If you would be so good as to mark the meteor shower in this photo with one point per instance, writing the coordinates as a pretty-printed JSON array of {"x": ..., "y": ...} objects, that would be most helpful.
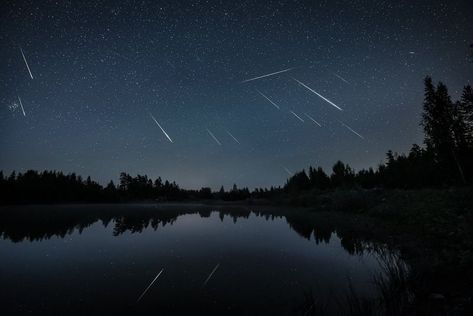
[{"x": 236, "y": 157}]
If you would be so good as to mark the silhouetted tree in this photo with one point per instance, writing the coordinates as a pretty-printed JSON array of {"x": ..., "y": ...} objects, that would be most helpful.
[
  {"x": 318, "y": 178},
  {"x": 465, "y": 109},
  {"x": 438, "y": 122},
  {"x": 342, "y": 175},
  {"x": 298, "y": 182},
  {"x": 367, "y": 179},
  {"x": 205, "y": 193}
]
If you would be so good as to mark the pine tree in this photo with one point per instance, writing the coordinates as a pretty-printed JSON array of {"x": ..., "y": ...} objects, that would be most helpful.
[
  {"x": 342, "y": 175},
  {"x": 428, "y": 119},
  {"x": 438, "y": 120},
  {"x": 466, "y": 110}
]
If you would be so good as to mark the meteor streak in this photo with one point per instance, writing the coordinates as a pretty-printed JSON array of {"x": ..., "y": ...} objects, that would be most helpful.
[
  {"x": 297, "y": 116},
  {"x": 162, "y": 129},
  {"x": 24, "y": 58},
  {"x": 146, "y": 290},
  {"x": 267, "y": 75},
  {"x": 312, "y": 119},
  {"x": 319, "y": 95},
  {"x": 213, "y": 136},
  {"x": 21, "y": 104},
  {"x": 277, "y": 106},
  {"x": 234, "y": 138},
  {"x": 351, "y": 130},
  {"x": 341, "y": 78},
  {"x": 288, "y": 171},
  {"x": 211, "y": 273}
]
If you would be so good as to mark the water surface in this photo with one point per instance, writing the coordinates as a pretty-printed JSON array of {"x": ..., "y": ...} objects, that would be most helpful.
[{"x": 78, "y": 260}]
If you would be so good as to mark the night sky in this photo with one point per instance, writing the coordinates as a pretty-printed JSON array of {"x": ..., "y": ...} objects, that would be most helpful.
[{"x": 104, "y": 74}]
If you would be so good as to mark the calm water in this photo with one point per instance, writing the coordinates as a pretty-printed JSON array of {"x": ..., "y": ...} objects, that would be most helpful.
[{"x": 66, "y": 260}]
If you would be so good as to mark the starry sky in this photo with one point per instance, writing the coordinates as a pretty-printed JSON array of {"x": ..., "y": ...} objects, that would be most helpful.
[{"x": 104, "y": 74}]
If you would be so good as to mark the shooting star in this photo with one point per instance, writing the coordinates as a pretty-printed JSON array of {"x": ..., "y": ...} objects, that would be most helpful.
[
  {"x": 319, "y": 95},
  {"x": 24, "y": 58},
  {"x": 341, "y": 78},
  {"x": 22, "y": 108},
  {"x": 351, "y": 130},
  {"x": 312, "y": 119},
  {"x": 277, "y": 106},
  {"x": 288, "y": 171},
  {"x": 234, "y": 138},
  {"x": 162, "y": 129},
  {"x": 297, "y": 116},
  {"x": 210, "y": 275},
  {"x": 213, "y": 136},
  {"x": 146, "y": 290},
  {"x": 267, "y": 75}
]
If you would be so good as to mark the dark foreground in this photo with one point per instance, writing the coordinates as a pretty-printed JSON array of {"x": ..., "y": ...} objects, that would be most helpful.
[{"x": 241, "y": 260}]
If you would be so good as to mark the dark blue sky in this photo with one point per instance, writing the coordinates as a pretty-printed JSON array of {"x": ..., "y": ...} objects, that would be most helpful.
[{"x": 100, "y": 68}]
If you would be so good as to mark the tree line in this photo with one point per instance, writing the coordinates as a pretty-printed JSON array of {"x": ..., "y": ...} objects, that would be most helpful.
[
  {"x": 56, "y": 187},
  {"x": 445, "y": 159}
]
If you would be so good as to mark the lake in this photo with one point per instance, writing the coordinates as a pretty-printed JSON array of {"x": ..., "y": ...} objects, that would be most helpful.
[{"x": 217, "y": 260}]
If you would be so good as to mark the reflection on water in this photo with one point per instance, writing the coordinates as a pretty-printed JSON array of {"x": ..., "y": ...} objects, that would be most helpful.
[{"x": 99, "y": 259}]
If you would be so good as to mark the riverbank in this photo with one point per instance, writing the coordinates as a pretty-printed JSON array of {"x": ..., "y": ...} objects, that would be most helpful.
[{"x": 433, "y": 228}]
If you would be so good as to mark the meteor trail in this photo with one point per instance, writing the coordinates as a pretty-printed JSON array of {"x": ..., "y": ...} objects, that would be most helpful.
[
  {"x": 267, "y": 75},
  {"x": 297, "y": 116},
  {"x": 234, "y": 138},
  {"x": 319, "y": 95},
  {"x": 162, "y": 129},
  {"x": 211, "y": 273},
  {"x": 24, "y": 58},
  {"x": 213, "y": 136},
  {"x": 146, "y": 290},
  {"x": 21, "y": 104},
  {"x": 277, "y": 106},
  {"x": 288, "y": 171},
  {"x": 312, "y": 119},
  {"x": 341, "y": 78},
  {"x": 351, "y": 130}
]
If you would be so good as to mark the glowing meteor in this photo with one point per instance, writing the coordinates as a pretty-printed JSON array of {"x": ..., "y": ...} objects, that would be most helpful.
[
  {"x": 267, "y": 75},
  {"x": 234, "y": 138},
  {"x": 24, "y": 58},
  {"x": 277, "y": 106},
  {"x": 297, "y": 116},
  {"x": 22, "y": 108},
  {"x": 162, "y": 129},
  {"x": 318, "y": 94},
  {"x": 288, "y": 171},
  {"x": 312, "y": 119},
  {"x": 146, "y": 290},
  {"x": 341, "y": 78},
  {"x": 210, "y": 275},
  {"x": 213, "y": 136},
  {"x": 351, "y": 130}
]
